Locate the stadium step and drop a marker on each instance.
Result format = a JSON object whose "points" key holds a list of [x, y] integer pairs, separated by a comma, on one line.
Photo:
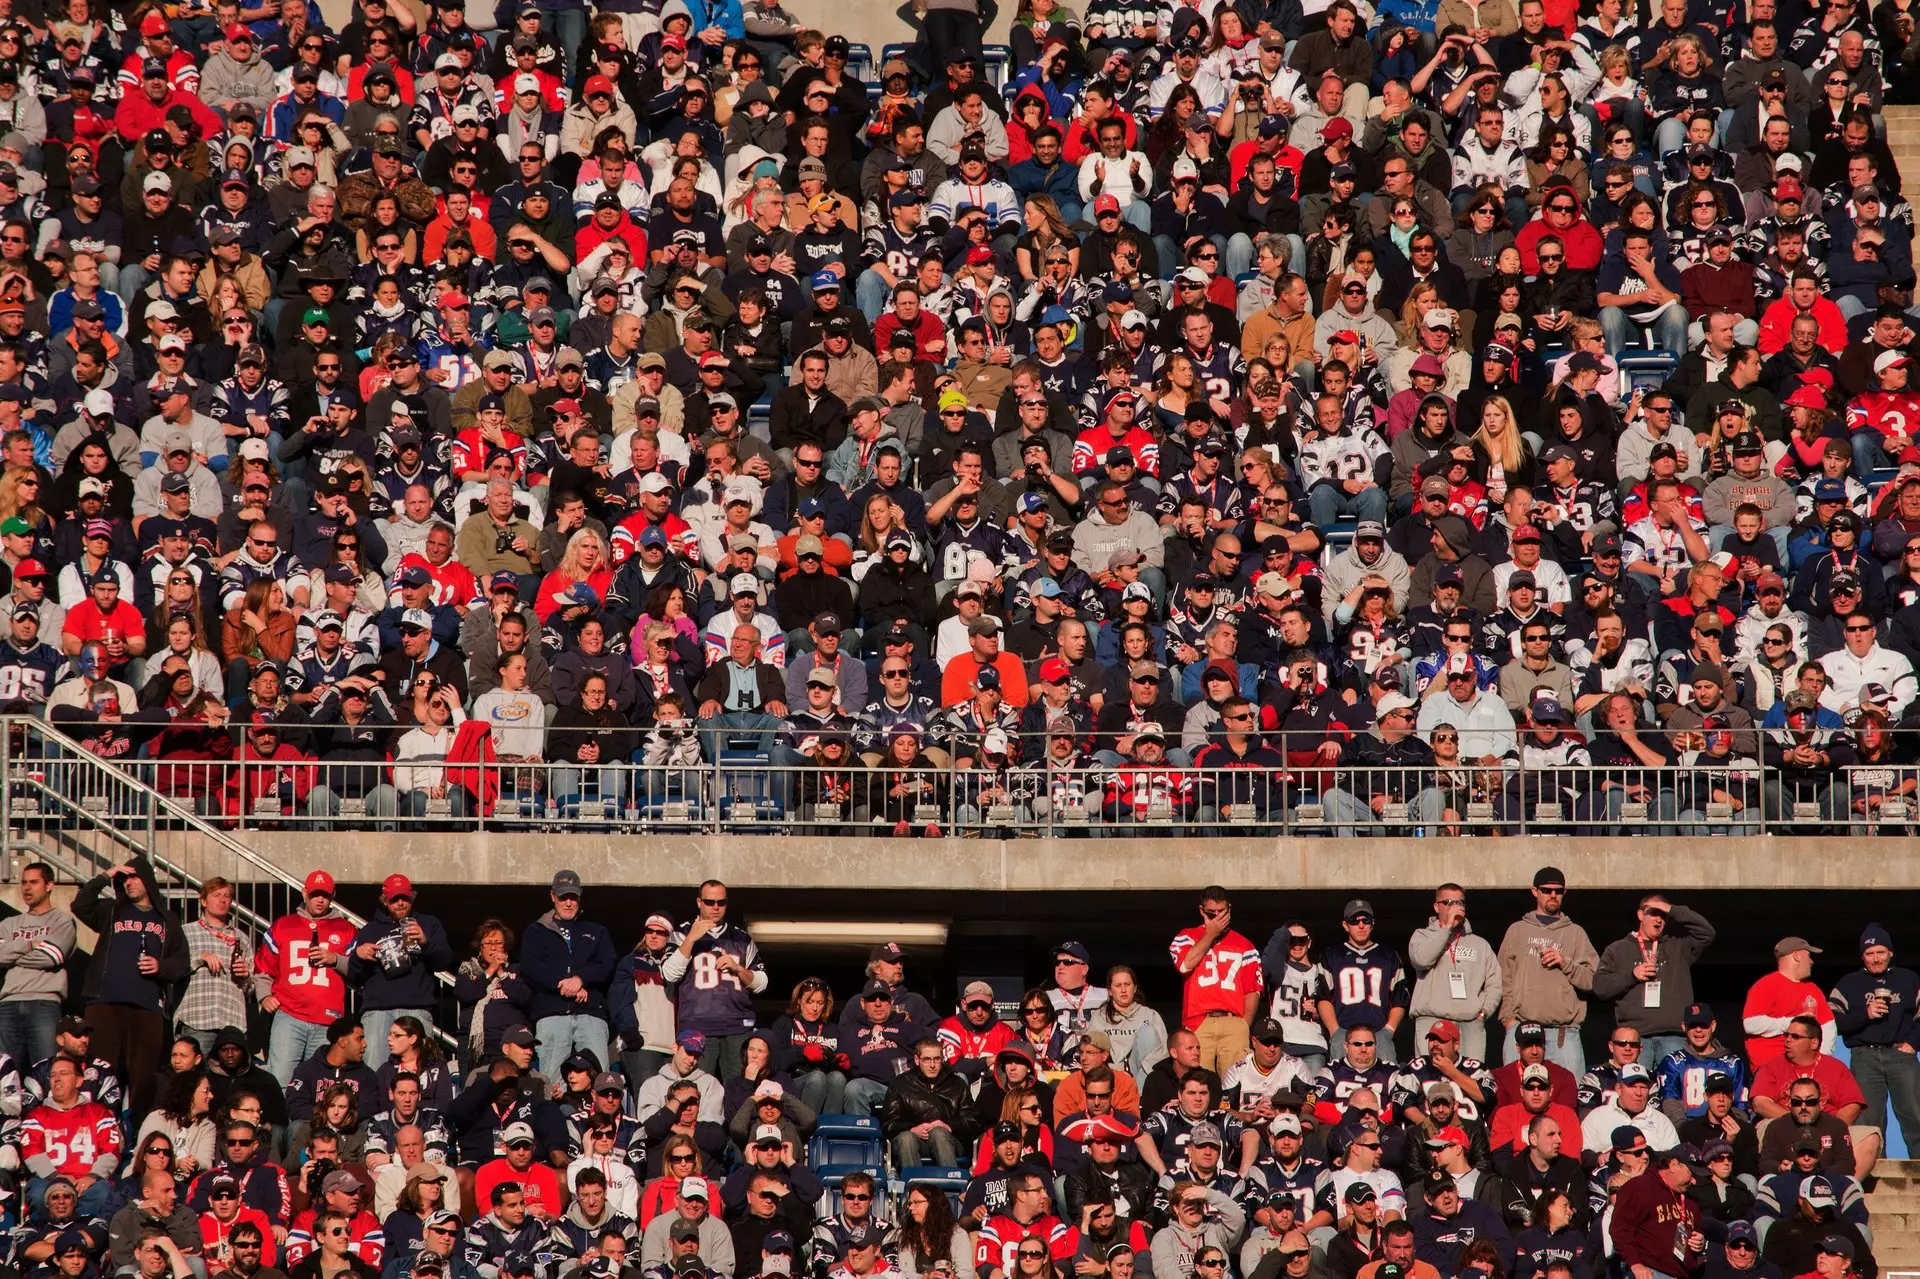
{"points": [[83, 815], [1903, 136], [1893, 1209]]}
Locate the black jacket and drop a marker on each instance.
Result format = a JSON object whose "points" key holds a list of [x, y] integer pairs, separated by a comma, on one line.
{"points": [[913, 1099], [100, 912]]}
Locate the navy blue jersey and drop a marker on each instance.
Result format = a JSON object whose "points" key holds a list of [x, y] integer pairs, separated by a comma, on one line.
{"points": [[28, 675], [1268, 1183], [712, 1000], [1364, 984], [1409, 1087]]}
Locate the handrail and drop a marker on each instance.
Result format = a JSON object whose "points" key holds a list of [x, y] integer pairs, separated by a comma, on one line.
{"points": [[159, 812]]}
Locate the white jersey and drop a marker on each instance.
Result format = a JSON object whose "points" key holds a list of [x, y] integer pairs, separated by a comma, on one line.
{"points": [[1350, 455]]}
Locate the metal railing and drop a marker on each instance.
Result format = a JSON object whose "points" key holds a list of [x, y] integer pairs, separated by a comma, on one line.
{"points": [[192, 815], [84, 815]]}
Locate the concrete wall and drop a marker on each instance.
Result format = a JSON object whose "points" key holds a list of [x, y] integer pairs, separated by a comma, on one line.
{"points": [[1050, 865]]}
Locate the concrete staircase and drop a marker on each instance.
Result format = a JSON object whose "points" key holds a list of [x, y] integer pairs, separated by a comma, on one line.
{"points": [[1903, 139], [1894, 1208]]}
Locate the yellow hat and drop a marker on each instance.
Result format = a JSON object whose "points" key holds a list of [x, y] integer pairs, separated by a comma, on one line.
{"points": [[952, 399]]}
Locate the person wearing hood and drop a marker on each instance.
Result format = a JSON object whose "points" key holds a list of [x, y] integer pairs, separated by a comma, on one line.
{"points": [[131, 973], [1368, 556], [1451, 544], [1429, 433], [232, 1070], [1562, 217], [755, 123]]}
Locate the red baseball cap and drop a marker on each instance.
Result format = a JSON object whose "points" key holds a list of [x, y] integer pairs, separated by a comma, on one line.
{"points": [[1444, 1031], [396, 885], [1054, 670], [154, 24], [319, 882], [1106, 204], [597, 84]]}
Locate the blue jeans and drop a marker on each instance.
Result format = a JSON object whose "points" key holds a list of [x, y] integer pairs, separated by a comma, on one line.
{"points": [[1887, 1074], [825, 1091], [1669, 331], [96, 1201], [26, 1029], [1655, 1049], [564, 1035], [378, 1021], [864, 1096], [290, 1043], [1867, 453], [871, 294], [569, 28], [571, 785], [1563, 1048], [1329, 502]]}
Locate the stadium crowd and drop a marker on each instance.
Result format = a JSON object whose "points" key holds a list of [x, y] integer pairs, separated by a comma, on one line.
{"points": [[1327, 1109], [1411, 409]]}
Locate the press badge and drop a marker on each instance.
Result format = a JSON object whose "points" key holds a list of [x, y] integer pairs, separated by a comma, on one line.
{"points": [[1457, 985], [1653, 993]]}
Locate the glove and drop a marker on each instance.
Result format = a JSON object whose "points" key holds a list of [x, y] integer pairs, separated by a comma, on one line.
{"points": [[842, 1062], [814, 1053]]}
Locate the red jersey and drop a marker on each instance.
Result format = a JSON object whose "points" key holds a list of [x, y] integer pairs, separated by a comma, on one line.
{"points": [[1222, 980], [365, 1239], [214, 1234], [310, 994], [1838, 1087], [1000, 1238], [91, 626], [541, 1182], [453, 585], [471, 450], [1091, 448], [624, 540], [1634, 508], [1893, 415], [72, 1141], [961, 1042], [1776, 995]]}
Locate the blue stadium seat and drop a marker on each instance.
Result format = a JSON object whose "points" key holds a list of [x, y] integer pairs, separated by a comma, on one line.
{"points": [[1645, 369], [1339, 535], [860, 61], [953, 1181], [748, 795], [997, 63], [845, 1139], [833, 1176]]}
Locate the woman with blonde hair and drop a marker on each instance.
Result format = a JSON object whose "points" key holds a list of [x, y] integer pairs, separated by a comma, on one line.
{"points": [[175, 628], [585, 563], [1421, 298], [20, 498], [881, 517], [1501, 458]]}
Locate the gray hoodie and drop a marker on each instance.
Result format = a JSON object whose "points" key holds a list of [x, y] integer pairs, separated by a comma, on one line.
{"points": [[226, 79], [1529, 990], [1437, 953]]}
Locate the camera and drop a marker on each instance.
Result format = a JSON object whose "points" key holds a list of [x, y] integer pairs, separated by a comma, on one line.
{"points": [[503, 541], [317, 1173]]}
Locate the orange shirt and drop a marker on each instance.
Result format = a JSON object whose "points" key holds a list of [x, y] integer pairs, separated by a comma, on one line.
{"points": [[961, 678]]}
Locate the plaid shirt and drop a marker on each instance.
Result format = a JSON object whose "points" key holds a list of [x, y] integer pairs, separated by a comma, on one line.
{"points": [[214, 1000]]}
